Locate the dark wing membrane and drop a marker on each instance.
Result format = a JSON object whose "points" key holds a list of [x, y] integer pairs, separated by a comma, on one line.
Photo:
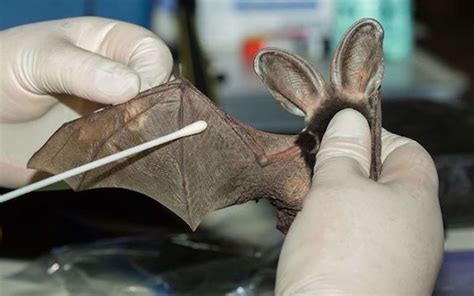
{"points": [[191, 176]]}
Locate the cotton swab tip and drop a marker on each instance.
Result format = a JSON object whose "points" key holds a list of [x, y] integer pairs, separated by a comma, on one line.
{"points": [[194, 128]]}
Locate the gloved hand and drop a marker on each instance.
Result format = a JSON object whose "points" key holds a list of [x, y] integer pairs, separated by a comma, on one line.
{"points": [[49, 68], [360, 237]]}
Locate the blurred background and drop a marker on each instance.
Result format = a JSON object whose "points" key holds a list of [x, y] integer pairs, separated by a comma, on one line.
{"points": [[428, 95]]}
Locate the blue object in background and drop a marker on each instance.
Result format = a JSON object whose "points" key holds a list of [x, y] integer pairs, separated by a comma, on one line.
{"points": [[456, 276], [132, 11], [394, 15], [19, 12]]}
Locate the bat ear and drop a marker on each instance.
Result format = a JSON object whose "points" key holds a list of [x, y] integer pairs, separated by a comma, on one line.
{"points": [[293, 82], [357, 67]]}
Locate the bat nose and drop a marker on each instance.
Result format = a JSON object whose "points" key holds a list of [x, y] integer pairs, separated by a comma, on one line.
{"points": [[308, 141]]}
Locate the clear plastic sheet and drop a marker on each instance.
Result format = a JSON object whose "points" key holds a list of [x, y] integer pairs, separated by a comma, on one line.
{"points": [[173, 265]]}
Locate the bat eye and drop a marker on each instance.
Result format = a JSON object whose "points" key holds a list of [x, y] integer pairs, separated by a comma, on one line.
{"points": [[308, 141]]}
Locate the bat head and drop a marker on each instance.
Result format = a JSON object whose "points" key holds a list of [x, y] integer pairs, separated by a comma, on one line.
{"points": [[355, 76]]}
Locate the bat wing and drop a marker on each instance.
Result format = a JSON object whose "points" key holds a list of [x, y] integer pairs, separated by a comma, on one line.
{"points": [[191, 176]]}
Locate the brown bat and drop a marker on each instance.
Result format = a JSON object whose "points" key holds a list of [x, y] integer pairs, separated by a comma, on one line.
{"points": [[229, 163]]}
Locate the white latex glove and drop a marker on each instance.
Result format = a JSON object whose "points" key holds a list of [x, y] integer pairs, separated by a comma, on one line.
{"points": [[46, 68], [355, 236]]}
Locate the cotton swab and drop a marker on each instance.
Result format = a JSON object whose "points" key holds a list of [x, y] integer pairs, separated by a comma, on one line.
{"points": [[189, 130]]}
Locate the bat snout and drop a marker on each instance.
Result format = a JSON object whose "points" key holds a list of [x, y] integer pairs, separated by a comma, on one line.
{"points": [[308, 142]]}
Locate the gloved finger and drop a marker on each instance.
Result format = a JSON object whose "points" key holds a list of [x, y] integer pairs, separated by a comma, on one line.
{"points": [[13, 176], [83, 74], [152, 61], [407, 166], [345, 149], [131, 45]]}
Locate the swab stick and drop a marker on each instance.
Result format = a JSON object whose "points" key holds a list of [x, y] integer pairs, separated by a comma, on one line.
{"points": [[189, 130]]}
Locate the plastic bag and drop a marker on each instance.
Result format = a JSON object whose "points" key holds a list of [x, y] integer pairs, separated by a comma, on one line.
{"points": [[172, 265]]}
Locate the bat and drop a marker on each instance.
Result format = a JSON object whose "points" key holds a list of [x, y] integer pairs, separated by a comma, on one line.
{"points": [[229, 163]]}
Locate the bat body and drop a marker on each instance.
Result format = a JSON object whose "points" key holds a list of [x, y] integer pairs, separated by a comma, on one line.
{"points": [[229, 163]]}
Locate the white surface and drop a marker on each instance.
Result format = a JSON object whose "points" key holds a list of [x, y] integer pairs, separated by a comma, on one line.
{"points": [[223, 24]]}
